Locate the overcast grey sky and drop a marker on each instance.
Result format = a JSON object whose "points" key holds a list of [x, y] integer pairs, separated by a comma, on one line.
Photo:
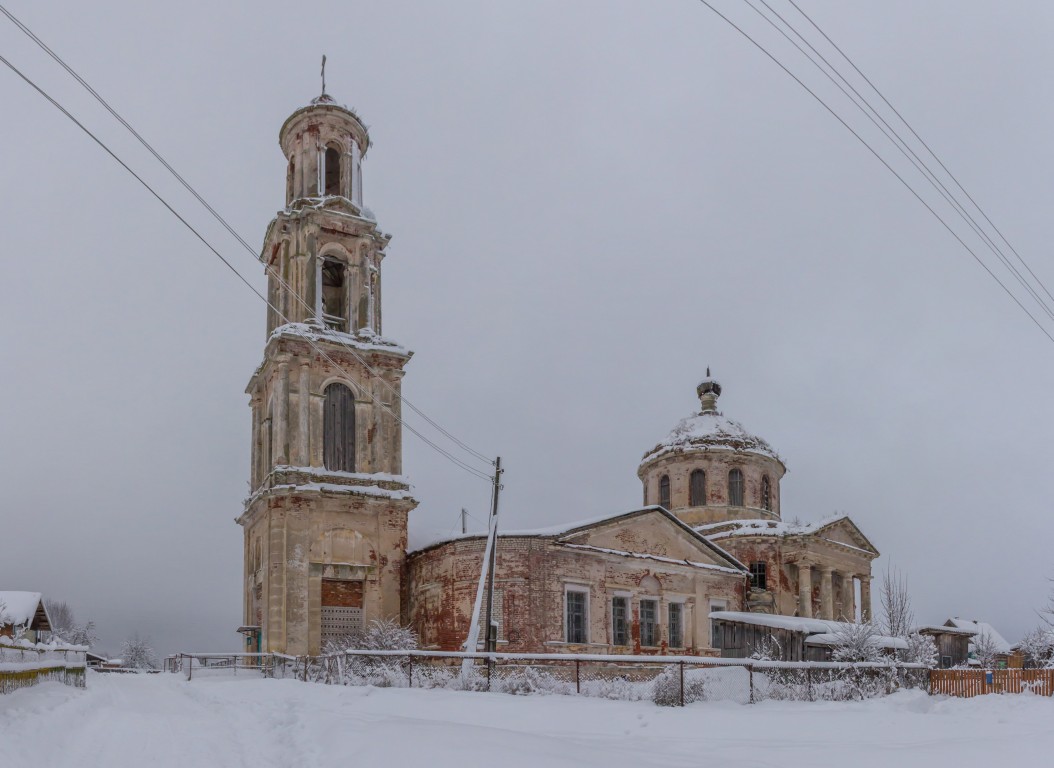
{"points": [[590, 203]]}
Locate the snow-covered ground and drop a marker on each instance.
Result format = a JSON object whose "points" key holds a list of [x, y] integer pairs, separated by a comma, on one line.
{"points": [[162, 720]]}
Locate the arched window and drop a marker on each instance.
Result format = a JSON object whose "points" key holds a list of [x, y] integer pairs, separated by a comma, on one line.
{"points": [[664, 491], [338, 429], [334, 295], [697, 488], [766, 493], [735, 488], [290, 180], [333, 186]]}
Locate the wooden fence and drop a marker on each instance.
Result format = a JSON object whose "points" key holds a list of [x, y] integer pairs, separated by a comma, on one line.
{"points": [[24, 665], [967, 683]]}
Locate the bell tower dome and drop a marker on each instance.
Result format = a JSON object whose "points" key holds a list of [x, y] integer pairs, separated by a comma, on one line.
{"points": [[325, 521]]}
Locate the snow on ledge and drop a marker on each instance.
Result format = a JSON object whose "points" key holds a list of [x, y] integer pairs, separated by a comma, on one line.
{"points": [[364, 339]]}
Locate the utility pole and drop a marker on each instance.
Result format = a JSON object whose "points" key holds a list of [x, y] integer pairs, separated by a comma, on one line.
{"points": [[464, 520], [492, 635]]}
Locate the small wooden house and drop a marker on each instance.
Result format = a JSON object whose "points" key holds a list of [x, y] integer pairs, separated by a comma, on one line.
{"points": [[23, 614], [953, 644]]}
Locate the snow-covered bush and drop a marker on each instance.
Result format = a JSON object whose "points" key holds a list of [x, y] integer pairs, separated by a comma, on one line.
{"points": [[380, 635], [1038, 647], [856, 642], [985, 650], [767, 649], [666, 690], [921, 650], [138, 653]]}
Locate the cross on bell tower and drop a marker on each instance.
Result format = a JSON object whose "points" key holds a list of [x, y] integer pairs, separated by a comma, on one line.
{"points": [[325, 522]]}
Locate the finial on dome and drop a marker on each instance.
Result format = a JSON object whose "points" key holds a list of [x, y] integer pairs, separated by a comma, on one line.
{"points": [[323, 98], [708, 390]]}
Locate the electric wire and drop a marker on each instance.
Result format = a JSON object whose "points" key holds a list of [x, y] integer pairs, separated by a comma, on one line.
{"points": [[924, 144], [468, 468], [905, 149], [882, 160], [226, 225]]}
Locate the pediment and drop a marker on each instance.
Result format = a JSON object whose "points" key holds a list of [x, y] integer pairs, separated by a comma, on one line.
{"points": [[844, 531], [653, 532]]}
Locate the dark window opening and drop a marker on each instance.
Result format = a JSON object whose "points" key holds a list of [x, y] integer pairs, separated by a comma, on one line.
{"points": [[735, 488], [332, 171], [766, 494], [338, 429], [334, 295], [697, 488], [676, 625], [576, 616], [619, 621], [290, 181], [664, 491], [649, 626], [758, 576]]}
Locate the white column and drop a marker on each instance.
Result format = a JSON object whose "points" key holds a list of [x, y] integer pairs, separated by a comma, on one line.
{"points": [[865, 597], [805, 589], [827, 593]]}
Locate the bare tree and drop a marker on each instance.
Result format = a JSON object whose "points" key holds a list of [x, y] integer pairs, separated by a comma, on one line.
{"points": [[985, 649], [138, 653], [896, 604], [64, 625]]}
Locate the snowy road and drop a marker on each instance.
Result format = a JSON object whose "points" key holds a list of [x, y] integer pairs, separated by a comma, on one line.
{"points": [[161, 720]]}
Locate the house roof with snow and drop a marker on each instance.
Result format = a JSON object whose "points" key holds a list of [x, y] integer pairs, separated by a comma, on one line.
{"points": [[816, 631], [710, 430], [24, 609], [981, 628], [574, 535], [839, 530]]}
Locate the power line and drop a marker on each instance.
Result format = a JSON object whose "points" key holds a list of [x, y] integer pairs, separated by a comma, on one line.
{"points": [[882, 160], [924, 144], [207, 244], [904, 148], [226, 225]]}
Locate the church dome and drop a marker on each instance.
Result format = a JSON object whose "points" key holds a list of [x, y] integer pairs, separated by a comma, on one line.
{"points": [[710, 430]]}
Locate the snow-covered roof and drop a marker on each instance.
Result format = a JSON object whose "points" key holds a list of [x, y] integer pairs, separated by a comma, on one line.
{"points": [[710, 431], [931, 628], [418, 543], [982, 628], [19, 608], [818, 631]]}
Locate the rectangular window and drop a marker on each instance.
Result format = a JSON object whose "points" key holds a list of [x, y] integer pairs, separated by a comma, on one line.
{"points": [[649, 625], [676, 625], [576, 616], [946, 662], [620, 621], [757, 576], [715, 638]]}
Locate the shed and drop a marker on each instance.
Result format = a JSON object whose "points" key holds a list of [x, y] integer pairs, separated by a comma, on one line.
{"points": [[739, 634], [953, 644], [23, 612]]}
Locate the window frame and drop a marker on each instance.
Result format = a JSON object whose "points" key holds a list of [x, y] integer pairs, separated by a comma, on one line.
{"points": [[326, 171], [656, 622], [579, 590], [766, 493], [693, 499], [681, 611], [714, 604], [739, 485], [344, 456], [627, 605], [665, 486], [758, 573]]}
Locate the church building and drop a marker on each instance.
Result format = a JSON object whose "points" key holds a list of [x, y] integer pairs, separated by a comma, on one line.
{"points": [[325, 524]]}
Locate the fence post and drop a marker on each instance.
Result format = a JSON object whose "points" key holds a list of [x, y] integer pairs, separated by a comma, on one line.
{"points": [[578, 677], [190, 668], [305, 667], [808, 682], [682, 682], [750, 671], [410, 669]]}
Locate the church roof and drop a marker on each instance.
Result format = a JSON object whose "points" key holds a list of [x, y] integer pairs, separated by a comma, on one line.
{"points": [[710, 430], [728, 529]]}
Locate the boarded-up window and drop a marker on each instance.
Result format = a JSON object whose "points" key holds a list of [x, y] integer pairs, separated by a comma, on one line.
{"points": [[620, 621], [341, 609], [697, 488], [338, 429], [664, 491], [735, 488], [766, 494], [333, 171], [649, 622], [498, 616]]}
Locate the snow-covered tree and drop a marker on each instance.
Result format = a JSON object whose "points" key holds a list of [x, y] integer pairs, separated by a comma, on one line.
{"points": [[856, 642], [897, 614], [921, 650], [64, 625], [138, 653], [1038, 647], [767, 649], [985, 649]]}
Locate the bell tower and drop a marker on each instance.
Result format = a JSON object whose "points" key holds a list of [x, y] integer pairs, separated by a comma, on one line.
{"points": [[325, 521]]}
